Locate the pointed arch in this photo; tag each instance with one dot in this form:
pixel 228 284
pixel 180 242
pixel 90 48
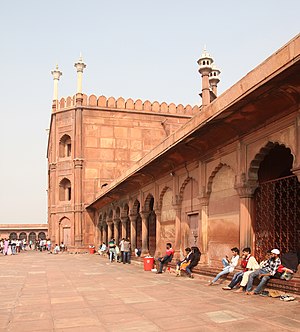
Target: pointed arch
pixel 259 157
pixel 212 176
pixel 184 184
pixel 149 202
pixel 161 196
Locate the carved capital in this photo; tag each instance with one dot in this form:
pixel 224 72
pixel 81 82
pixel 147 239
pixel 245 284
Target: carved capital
pixel 78 163
pixel 177 207
pixel 79 99
pixel 116 221
pixel 203 200
pixel 52 167
pixel 133 217
pixel 124 219
pixel 244 188
pixel 144 214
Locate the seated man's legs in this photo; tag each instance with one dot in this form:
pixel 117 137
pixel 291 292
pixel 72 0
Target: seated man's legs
pixel 236 279
pixel 223 272
pixel 252 276
pixel 261 285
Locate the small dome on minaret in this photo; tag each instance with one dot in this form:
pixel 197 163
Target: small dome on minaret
pixel 205 62
pixel 214 78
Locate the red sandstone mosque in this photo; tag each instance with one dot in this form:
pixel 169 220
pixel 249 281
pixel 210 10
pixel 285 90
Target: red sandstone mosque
pixel 219 175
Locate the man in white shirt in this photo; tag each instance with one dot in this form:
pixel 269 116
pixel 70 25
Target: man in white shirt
pixel 228 265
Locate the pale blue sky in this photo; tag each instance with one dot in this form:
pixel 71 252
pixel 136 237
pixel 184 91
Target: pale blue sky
pixel 134 48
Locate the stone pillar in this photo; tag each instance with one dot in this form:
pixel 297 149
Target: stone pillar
pixel 116 230
pixel 204 224
pixel 77 191
pixel 104 235
pixel 145 246
pixel 296 169
pixel 133 231
pixel 109 229
pixel 246 193
pixel 124 221
pixel 177 244
pixel 158 233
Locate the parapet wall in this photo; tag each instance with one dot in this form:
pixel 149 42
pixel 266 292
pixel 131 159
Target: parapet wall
pixel 129 104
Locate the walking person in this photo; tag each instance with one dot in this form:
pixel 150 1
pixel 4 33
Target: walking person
pixel 126 251
pixel 112 250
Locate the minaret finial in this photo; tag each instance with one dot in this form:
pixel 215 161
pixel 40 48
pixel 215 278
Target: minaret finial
pixel 56 73
pixel 79 65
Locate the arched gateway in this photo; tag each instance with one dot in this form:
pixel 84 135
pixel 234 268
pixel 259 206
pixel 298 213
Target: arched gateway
pixel 277 202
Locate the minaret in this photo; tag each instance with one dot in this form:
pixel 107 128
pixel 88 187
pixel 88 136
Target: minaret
pixel 80 65
pixel 214 79
pixel 205 63
pixel 56 73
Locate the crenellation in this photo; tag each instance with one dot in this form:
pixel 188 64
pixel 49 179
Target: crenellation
pixel 111 102
pixel 129 104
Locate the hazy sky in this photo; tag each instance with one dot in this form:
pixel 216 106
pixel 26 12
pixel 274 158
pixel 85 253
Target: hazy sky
pixel 133 48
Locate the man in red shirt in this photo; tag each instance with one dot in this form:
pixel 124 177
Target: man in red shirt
pixel 167 258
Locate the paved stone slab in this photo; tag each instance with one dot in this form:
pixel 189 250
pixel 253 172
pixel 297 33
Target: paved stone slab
pixel 85 293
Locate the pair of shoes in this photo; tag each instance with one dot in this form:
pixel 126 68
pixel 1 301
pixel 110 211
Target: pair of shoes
pixel 226 288
pixel 191 276
pixel 211 283
pixel 264 293
pixel 287 298
pixel 158 272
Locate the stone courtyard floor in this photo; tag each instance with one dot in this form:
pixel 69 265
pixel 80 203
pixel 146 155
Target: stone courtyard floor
pixel 83 292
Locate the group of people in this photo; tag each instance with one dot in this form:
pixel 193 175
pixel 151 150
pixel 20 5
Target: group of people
pixel 187 264
pixel 118 252
pixel 270 267
pixel 15 246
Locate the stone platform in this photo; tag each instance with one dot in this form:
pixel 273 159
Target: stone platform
pixel 83 292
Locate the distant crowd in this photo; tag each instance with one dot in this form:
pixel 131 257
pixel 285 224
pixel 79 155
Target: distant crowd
pixel 15 246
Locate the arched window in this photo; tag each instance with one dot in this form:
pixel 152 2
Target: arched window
pixel 32 237
pixel 42 236
pixel 65 190
pixel 65 146
pixel 23 236
pixel 13 236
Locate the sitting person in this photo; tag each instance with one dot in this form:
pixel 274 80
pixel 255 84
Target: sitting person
pixel 167 258
pixel 137 252
pixel 181 265
pixel 194 259
pixel 264 273
pixel 251 268
pixel 247 263
pixel 228 265
pixel 102 249
pixel 56 250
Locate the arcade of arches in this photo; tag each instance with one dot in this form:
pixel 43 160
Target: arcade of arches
pixel 28 232
pixel 262 212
